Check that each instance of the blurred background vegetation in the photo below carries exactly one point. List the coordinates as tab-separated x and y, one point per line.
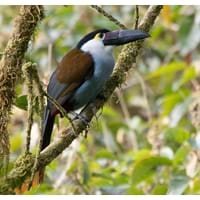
146	140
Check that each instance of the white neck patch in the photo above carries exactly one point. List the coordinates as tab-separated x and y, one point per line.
95	46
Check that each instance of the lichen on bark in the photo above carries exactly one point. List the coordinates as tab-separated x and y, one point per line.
10	68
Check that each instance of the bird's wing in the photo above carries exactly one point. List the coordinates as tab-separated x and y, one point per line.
72	71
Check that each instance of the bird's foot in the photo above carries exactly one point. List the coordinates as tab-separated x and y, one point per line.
83	120
80	117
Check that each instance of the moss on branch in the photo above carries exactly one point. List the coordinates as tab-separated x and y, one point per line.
10	68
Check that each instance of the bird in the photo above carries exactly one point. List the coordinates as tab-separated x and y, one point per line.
82	73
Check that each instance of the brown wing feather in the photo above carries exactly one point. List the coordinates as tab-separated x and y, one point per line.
74	67
70	88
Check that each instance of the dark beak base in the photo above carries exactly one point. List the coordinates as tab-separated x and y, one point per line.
123	37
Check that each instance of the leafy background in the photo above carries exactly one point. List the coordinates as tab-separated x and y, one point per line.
146	139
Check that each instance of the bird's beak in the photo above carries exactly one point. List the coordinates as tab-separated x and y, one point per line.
120	37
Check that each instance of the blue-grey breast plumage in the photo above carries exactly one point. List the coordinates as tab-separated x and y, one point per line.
83	71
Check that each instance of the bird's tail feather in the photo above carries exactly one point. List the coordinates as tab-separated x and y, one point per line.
48	123
47	128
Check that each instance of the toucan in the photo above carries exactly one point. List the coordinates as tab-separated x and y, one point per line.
82	73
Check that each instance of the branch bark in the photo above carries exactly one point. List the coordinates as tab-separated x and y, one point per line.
124	63
10	67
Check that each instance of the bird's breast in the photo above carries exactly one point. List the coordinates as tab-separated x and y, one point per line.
103	67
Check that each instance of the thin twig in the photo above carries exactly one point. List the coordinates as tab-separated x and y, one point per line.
29	81
136	16
109	16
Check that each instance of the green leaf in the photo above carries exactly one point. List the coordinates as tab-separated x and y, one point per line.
142	154
134	191
100	179
177	134
188	75
22	102
121	178
170	101
160	189
104	153
145	168
179	111
178	184
110	112
181	154
196	188
170	68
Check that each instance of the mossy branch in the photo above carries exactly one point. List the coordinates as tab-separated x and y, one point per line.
10	67
124	63
29	82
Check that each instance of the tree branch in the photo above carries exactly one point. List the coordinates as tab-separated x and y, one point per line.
10	67
124	63
108	16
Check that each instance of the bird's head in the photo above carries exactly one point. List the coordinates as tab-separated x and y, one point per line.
113	38
107	39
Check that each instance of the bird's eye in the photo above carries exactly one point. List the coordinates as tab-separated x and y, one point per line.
99	36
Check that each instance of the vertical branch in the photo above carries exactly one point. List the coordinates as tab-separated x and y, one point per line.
29	81
41	111
10	67
136	16
40	99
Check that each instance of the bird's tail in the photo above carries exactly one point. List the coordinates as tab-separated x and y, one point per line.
47	128
48	123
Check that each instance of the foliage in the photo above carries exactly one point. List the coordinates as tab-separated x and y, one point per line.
154	149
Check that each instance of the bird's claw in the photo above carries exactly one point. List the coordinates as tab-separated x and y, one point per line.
83	120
